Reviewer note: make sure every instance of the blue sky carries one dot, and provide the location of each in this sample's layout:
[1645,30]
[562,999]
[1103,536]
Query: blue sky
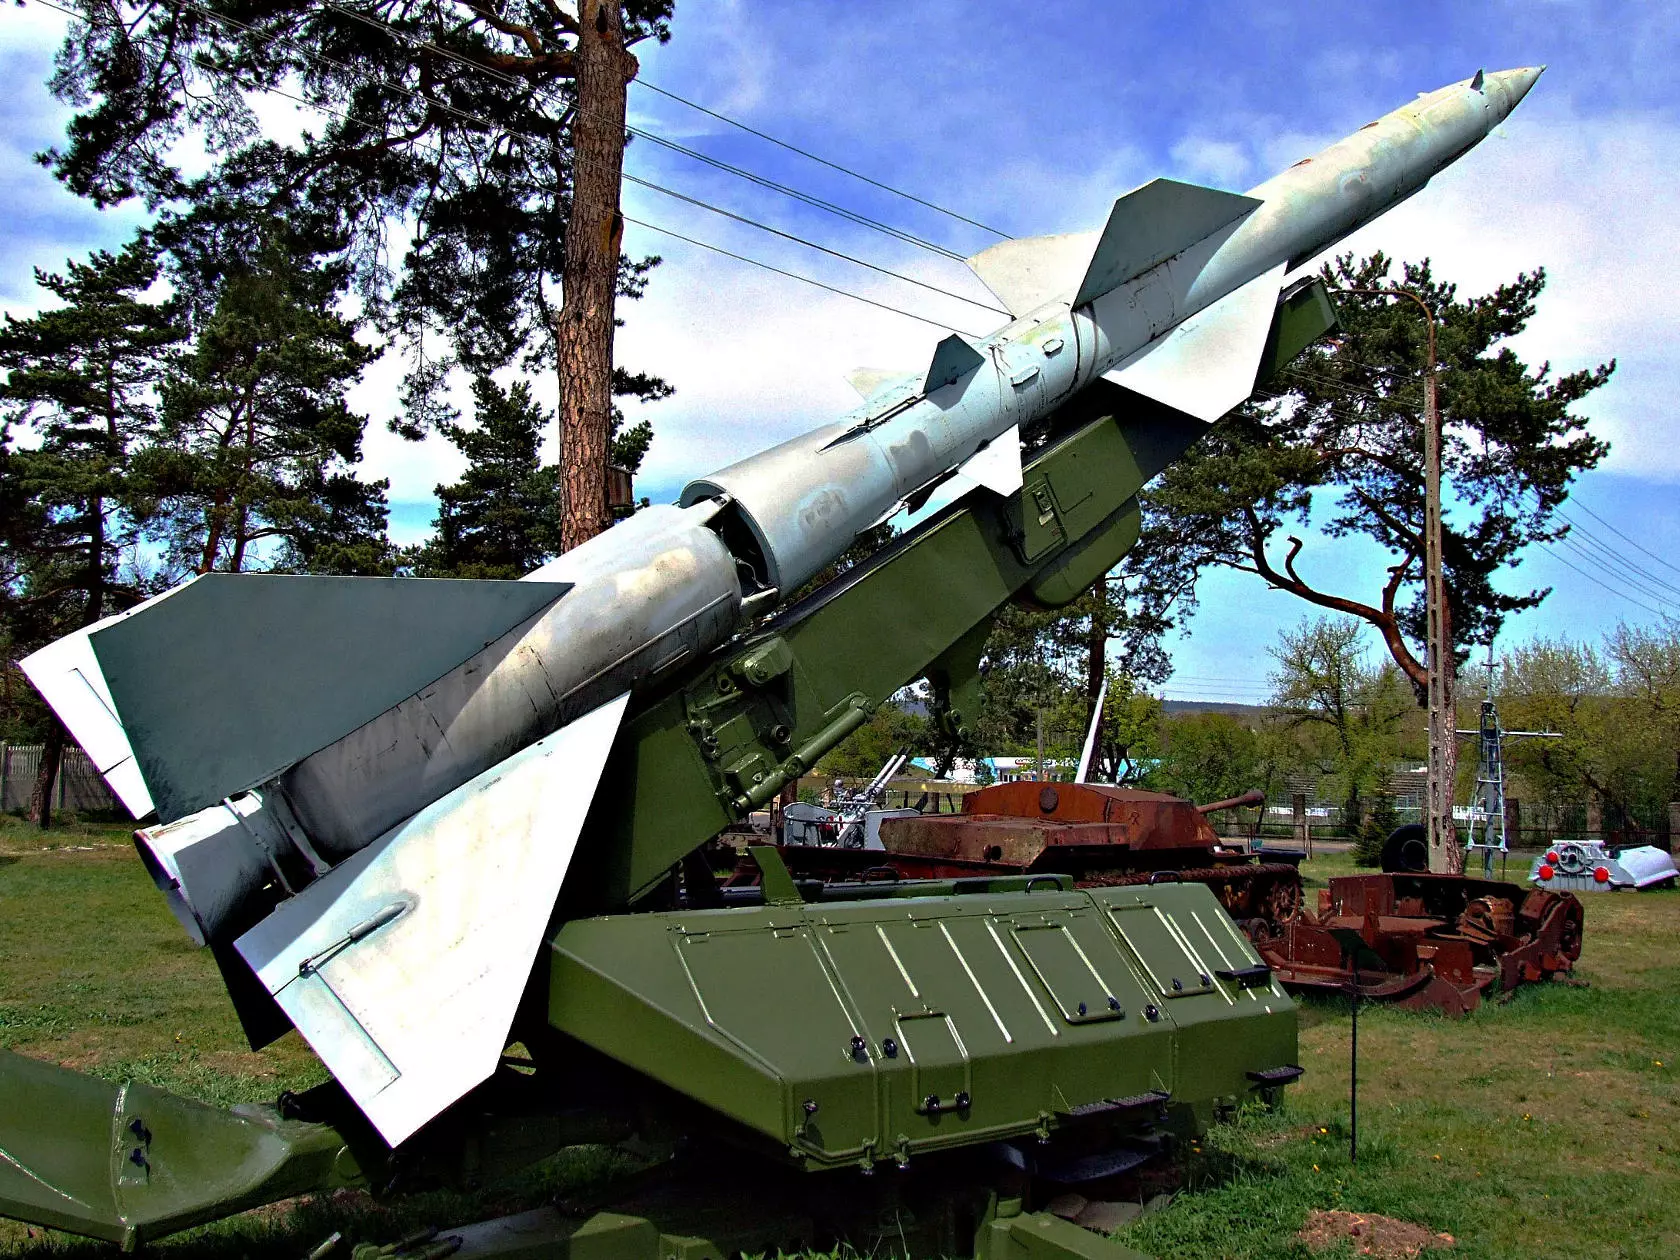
[1033,120]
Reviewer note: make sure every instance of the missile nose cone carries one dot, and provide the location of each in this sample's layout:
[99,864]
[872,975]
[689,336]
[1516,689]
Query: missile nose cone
[1506,88]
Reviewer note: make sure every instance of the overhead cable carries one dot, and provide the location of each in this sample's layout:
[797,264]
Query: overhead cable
[1599,582]
[844,170]
[800,240]
[469,63]
[1607,525]
[794,275]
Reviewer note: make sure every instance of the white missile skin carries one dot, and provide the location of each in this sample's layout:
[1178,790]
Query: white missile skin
[807,499]
[658,588]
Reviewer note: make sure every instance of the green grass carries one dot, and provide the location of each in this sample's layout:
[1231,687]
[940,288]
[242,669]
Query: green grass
[1546,1126]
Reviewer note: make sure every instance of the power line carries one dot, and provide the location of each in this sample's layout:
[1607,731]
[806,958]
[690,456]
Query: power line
[1584,539]
[862,220]
[1613,570]
[1599,582]
[789,236]
[793,275]
[1607,525]
[845,170]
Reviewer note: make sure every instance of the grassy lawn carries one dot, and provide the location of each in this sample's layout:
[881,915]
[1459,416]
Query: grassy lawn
[1545,1126]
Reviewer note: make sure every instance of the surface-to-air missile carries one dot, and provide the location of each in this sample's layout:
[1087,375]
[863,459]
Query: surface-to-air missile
[423,820]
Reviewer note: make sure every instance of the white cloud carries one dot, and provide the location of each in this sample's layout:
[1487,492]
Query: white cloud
[1220,162]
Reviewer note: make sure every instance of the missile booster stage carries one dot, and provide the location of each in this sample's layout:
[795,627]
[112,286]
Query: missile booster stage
[421,821]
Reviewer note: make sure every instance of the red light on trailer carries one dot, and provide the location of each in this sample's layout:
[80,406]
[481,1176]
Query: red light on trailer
[1552,857]
[1545,871]
[1601,874]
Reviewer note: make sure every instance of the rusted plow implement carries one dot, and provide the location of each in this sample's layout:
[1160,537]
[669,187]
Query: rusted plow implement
[1445,941]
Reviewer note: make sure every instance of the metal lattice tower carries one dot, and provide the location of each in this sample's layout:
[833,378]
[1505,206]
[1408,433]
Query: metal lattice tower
[1487,805]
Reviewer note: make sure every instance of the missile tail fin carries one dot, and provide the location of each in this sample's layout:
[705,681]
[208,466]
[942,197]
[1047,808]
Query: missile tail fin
[997,465]
[66,673]
[953,359]
[233,677]
[403,967]
[1150,224]
[1026,273]
[1207,364]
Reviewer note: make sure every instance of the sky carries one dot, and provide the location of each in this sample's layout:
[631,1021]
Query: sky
[1033,120]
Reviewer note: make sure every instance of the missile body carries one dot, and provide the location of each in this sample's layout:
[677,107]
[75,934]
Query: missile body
[1187,248]
[406,765]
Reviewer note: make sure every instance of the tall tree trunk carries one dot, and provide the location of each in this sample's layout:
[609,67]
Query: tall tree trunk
[594,229]
[52,753]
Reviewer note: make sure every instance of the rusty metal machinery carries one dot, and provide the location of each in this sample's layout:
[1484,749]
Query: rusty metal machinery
[1445,940]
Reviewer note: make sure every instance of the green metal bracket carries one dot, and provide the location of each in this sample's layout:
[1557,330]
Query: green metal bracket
[773,877]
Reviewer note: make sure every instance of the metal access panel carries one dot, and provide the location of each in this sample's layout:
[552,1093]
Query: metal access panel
[860,1031]
[236,676]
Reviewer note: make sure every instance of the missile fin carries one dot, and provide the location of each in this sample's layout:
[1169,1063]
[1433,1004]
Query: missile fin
[234,677]
[953,359]
[997,465]
[1024,274]
[66,673]
[403,966]
[1207,364]
[1151,224]
[871,381]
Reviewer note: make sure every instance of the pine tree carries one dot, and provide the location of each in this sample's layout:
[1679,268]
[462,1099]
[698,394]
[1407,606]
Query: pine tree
[80,384]
[502,519]
[254,463]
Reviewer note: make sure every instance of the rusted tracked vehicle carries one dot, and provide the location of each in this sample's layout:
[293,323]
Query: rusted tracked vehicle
[1444,941]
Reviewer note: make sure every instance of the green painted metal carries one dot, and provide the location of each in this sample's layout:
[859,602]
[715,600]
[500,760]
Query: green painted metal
[306,661]
[867,1030]
[706,749]
[128,1162]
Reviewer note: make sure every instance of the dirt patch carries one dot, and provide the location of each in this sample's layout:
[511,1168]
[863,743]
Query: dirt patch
[1380,1236]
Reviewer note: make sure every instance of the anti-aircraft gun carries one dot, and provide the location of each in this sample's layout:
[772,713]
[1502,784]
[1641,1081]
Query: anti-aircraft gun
[424,822]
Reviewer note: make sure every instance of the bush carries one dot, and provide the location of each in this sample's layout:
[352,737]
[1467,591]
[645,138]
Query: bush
[1374,832]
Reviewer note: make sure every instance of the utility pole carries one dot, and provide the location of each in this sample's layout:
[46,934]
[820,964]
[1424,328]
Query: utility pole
[594,232]
[1445,855]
